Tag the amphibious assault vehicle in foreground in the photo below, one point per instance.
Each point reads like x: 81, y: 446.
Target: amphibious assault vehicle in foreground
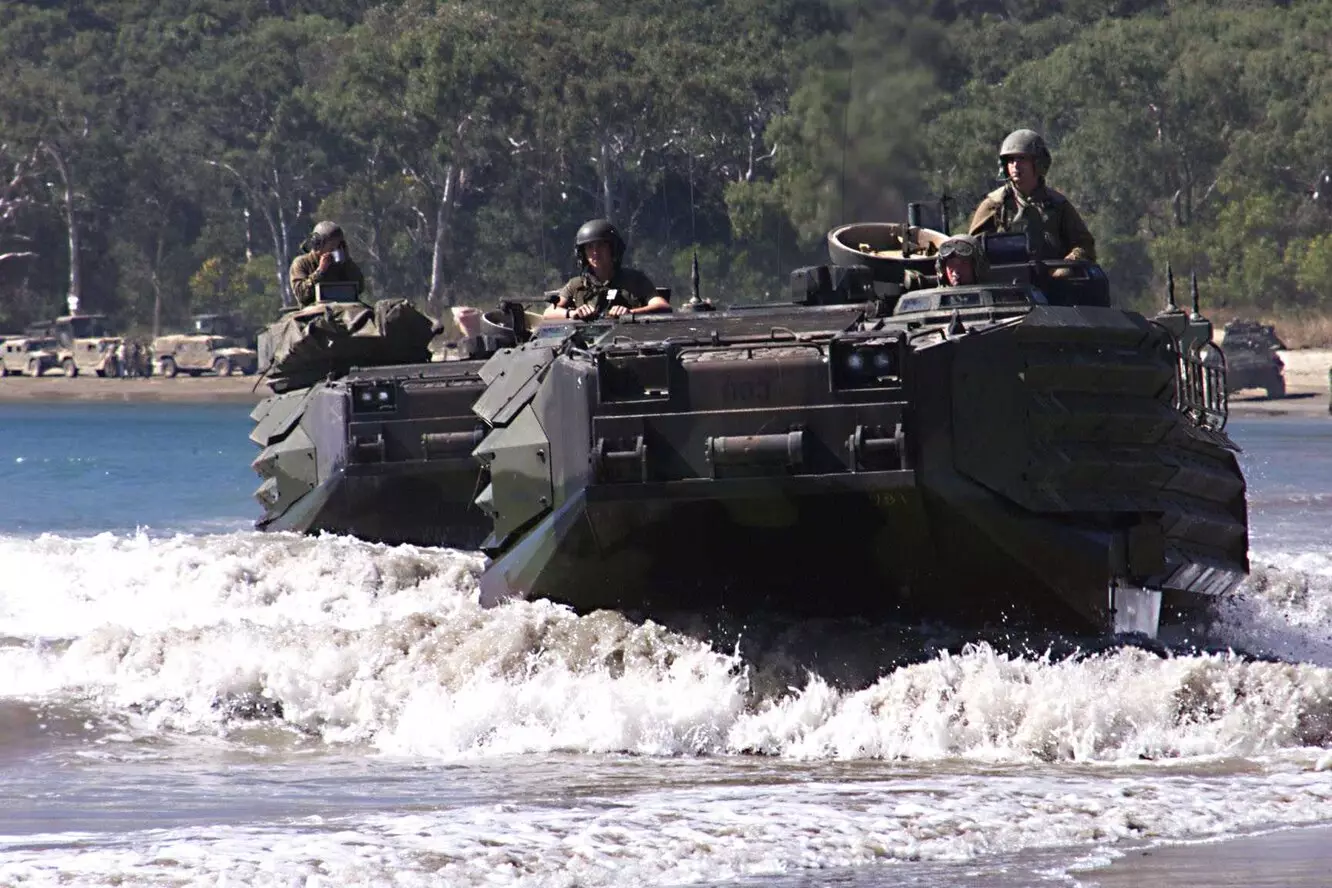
x: 1012, y: 449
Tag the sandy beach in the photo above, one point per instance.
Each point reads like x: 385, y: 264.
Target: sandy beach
x: 1307, y: 389
x: 55, y: 387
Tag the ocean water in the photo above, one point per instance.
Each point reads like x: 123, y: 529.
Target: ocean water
x: 186, y: 702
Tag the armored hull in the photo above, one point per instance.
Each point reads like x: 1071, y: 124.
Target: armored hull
x: 383, y: 454
x: 984, y: 453
x: 355, y: 441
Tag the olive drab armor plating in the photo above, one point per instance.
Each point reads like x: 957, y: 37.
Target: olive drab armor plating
x: 1013, y: 450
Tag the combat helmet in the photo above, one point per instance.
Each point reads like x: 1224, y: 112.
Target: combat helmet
x: 598, y: 230
x: 1029, y: 142
x: 963, y: 245
x: 323, y: 233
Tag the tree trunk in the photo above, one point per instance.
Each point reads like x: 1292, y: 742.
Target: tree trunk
x: 443, y: 211
x: 282, y: 244
x: 75, y: 278
x: 157, y: 285
x: 607, y: 188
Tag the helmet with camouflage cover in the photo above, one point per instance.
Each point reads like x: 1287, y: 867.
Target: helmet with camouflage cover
x: 967, y: 247
x: 598, y: 230
x: 1030, y: 143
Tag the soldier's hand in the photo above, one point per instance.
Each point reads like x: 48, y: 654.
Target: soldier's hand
x: 617, y: 311
x: 586, y: 310
x: 325, y: 262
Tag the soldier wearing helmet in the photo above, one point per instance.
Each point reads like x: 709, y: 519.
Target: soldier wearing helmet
x: 328, y: 261
x: 959, y: 262
x: 1026, y: 203
x: 604, y: 286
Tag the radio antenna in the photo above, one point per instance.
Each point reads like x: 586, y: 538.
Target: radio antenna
x: 694, y: 297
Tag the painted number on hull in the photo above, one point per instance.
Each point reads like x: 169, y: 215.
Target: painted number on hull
x: 889, y: 499
x: 747, y: 391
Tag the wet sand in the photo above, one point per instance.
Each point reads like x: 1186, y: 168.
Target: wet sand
x: 1294, y: 858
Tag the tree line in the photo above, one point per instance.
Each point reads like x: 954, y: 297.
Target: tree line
x: 159, y: 159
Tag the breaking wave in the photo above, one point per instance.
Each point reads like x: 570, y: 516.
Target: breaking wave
x: 333, y: 641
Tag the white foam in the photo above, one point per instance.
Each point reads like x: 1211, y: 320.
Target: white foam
x: 666, y: 836
x: 387, y: 646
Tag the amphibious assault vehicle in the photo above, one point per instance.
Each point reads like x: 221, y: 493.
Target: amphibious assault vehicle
x: 1251, y: 357
x: 364, y: 434
x: 1014, y: 448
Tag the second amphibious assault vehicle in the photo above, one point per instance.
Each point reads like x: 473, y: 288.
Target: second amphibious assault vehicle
x: 1015, y: 448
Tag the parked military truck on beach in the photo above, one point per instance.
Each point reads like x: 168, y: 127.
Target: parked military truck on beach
x: 86, y: 344
x: 28, y: 356
x: 216, y: 346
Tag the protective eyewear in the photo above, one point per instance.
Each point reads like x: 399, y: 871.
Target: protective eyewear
x: 957, y: 248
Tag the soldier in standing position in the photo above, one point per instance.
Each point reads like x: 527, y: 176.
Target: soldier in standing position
x: 327, y: 261
x: 604, y: 285
x: 1026, y: 203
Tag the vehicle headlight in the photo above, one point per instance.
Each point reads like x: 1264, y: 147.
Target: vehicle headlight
x: 374, y: 397
x: 866, y: 364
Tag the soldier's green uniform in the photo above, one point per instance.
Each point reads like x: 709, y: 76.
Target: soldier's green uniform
x: 305, y: 274
x: 634, y: 289
x: 1056, y: 228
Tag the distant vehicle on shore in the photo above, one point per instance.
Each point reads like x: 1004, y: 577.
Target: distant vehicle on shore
x: 1251, y: 358
x: 86, y: 344
x: 214, y: 347
x: 25, y: 355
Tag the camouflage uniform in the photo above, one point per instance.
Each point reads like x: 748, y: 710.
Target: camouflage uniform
x: 635, y: 289
x: 1057, y: 227
x: 305, y: 274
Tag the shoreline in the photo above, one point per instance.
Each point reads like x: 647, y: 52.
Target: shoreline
x: 57, y: 389
x: 1306, y: 372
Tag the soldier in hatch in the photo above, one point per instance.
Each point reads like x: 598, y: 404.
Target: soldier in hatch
x: 604, y: 285
x: 1026, y: 203
x: 959, y: 262
x: 327, y: 261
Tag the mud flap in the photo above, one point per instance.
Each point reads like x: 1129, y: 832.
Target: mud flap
x: 1134, y: 609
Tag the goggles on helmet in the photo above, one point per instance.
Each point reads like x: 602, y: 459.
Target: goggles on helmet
x: 957, y: 248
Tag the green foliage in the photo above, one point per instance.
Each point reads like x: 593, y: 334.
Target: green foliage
x: 460, y: 143
x: 225, y: 286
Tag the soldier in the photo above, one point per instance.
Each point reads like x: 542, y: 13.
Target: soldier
x: 959, y: 262
x: 327, y: 261
x: 604, y: 284
x: 1026, y: 203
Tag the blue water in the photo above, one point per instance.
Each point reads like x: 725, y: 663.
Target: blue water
x: 80, y: 469
x: 77, y: 469
x: 1287, y: 464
